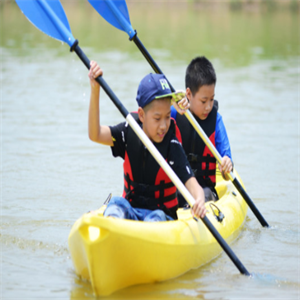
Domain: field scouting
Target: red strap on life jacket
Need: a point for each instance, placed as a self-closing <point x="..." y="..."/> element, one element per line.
<point x="162" y="176"/>
<point x="128" y="172"/>
<point x="177" y="132"/>
<point x="207" y="152"/>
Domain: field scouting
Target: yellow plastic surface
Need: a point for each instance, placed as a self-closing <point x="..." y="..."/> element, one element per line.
<point x="115" y="253"/>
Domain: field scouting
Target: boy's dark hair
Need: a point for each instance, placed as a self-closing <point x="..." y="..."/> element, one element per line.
<point x="199" y="72"/>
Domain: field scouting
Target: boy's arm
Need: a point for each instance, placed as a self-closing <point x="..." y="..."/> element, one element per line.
<point x="181" y="106"/>
<point x="226" y="167"/>
<point x="97" y="133"/>
<point x="223" y="147"/>
<point x="197" y="192"/>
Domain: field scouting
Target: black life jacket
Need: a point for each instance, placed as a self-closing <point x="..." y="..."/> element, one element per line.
<point x="199" y="156"/>
<point x="146" y="185"/>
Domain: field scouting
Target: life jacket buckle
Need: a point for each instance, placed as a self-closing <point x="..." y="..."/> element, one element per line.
<point x="192" y="157"/>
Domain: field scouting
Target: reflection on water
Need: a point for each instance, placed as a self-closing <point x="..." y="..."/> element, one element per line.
<point x="52" y="173"/>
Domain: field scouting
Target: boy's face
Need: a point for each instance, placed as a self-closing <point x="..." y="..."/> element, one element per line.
<point x="156" y="120"/>
<point x="202" y="102"/>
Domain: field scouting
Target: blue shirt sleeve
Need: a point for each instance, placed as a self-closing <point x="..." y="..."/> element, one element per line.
<point x="221" y="138"/>
<point x="173" y="112"/>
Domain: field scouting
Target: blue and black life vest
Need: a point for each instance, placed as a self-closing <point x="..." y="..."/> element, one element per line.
<point x="199" y="156"/>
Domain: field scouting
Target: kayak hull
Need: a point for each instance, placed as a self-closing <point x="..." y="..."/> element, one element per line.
<point x="115" y="253"/>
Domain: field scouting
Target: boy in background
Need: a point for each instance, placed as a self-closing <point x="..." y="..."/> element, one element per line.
<point x="200" y="83"/>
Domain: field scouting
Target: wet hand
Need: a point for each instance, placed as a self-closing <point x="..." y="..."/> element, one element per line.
<point x="94" y="72"/>
<point x="199" y="209"/>
<point x="182" y="106"/>
<point x="225" y="167"/>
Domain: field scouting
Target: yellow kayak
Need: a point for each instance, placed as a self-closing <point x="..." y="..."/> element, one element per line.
<point x="116" y="253"/>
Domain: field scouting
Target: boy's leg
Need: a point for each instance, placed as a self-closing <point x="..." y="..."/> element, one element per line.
<point x="157" y="216"/>
<point x="119" y="207"/>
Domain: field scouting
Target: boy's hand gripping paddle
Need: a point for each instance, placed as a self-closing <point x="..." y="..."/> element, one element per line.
<point x="49" y="17"/>
<point x="115" y="12"/>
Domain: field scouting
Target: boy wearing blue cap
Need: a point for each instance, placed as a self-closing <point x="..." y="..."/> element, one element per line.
<point x="149" y="194"/>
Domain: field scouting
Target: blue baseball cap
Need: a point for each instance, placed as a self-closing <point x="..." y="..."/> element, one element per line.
<point x="155" y="86"/>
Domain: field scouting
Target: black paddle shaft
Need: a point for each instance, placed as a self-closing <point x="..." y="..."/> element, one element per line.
<point x="225" y="247"/>
<point x="254" y="209"/>
<point x="149" y="58"/>
<point x="100" y="80"/>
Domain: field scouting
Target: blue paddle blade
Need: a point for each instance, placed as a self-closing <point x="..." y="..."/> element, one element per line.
<point x="49" y="17"/>
<point x="114" y="12"/>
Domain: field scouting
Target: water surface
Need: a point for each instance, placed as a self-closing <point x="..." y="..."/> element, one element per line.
<point x="52" y="173"/>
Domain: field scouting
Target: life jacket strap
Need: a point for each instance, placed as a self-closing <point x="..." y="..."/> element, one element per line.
<point x="146" y="189"/>
<point x="195" y="158"/>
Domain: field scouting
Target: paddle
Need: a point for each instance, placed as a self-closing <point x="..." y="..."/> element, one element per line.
<point x="116" y="13"/>
<point x="49" y="17"/>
